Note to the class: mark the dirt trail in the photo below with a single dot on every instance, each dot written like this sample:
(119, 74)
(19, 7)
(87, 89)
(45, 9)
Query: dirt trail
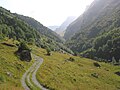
(29, 77)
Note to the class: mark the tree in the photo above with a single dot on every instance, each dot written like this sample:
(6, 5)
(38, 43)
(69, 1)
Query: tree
(23, 46)
(48, 51)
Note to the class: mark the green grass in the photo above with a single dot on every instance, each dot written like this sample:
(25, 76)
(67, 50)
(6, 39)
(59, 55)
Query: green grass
(11, 68)
(36, 87)
(31, 85)
(58, 73)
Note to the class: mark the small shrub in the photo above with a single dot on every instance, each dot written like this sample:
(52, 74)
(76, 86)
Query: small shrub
(71, 59)
(2, 78)
(96, 64)
(22, 47)
(48, 51)
(74, 80)
(76, 54)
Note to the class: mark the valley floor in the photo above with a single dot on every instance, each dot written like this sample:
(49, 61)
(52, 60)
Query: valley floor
(57, 72)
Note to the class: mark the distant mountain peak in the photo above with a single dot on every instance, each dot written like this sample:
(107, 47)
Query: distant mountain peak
(61, 30)
(53, 27)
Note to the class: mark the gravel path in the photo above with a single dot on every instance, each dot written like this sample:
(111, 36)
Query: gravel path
(32, 71)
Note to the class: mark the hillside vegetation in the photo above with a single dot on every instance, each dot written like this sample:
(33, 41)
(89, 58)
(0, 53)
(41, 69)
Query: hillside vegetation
(58, 70)
(62, 71)
(96, 32)
(42, 29)
(11, 67)
(30, 31)
(94, 35)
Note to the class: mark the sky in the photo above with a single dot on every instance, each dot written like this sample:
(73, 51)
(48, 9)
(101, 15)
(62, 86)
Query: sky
(48, 12)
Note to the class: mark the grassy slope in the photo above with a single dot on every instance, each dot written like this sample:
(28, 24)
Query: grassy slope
(9, 63)
(56, 73)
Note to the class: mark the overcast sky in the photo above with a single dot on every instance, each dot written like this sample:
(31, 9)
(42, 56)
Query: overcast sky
(48, 12)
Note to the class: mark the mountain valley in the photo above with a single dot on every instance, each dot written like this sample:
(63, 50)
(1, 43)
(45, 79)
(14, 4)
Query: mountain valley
(81, 54)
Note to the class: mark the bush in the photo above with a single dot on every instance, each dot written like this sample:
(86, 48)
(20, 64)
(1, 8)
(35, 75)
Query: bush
(48, 51)
(23, 46)
(2, 78)
(71, 59)
(76, 54)
(96, 64)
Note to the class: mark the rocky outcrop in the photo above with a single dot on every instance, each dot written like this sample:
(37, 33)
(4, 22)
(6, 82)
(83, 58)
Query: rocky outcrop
(24, 52)
(25, 55)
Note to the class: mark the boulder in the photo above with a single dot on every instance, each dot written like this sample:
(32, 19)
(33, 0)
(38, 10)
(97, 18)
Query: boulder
(25, 55)
(24, 52)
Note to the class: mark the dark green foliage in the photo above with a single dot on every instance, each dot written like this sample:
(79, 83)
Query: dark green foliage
(51, 39)
(96, 64)
(22, 47)
(96, 33)
(48, 51)
(40, 28)
(12, 27)
(27, 29)
(71, 59)
(106, 46)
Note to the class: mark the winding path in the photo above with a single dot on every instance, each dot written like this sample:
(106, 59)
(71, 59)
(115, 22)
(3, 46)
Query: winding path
(29, 76)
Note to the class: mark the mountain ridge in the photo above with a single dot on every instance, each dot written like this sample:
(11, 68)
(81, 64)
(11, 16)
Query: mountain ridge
(29, 31)
(62, 28)
(100, 18)
(41, 28)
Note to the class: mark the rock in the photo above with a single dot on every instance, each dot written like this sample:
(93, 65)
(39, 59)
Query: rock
(9, 74)
(24, 52)
(25, 55)
(95, 75)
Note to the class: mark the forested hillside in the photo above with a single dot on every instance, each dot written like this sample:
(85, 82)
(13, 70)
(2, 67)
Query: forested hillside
(97, 11)
(96, 33)
(12, 27)
(30, 31)
(32, 57)
(42, 29)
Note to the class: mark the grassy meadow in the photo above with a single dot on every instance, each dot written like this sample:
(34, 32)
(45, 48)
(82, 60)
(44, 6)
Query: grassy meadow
(11, 68)
(58, 73)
